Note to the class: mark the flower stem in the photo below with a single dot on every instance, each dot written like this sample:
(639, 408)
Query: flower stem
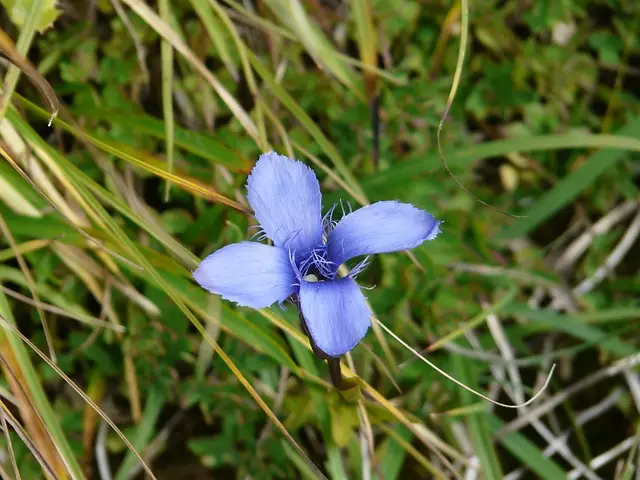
(336, 374)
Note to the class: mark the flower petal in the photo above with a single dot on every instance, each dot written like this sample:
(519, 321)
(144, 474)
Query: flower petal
(285, 196)
(336, 314)
(248, 273)
(379, 228)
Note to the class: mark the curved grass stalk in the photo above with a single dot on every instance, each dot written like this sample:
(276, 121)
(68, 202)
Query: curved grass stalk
(8, 418)
(428, 438)
(466, 387)
(454, 88)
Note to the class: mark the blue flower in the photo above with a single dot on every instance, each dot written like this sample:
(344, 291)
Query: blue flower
(307, 251)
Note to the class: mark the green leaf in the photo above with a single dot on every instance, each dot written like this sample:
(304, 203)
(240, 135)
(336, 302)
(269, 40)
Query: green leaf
(144, 432)
(344, 419)
(393, 454)
(215, 29)
(19, 9)
(388, 183)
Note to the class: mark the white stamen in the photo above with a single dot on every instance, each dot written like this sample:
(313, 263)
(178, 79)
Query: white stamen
(311, 278)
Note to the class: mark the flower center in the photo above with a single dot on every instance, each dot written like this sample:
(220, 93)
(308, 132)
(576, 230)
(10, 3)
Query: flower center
(314, 266)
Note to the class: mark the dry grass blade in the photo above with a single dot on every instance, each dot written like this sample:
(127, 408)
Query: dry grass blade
(8, 48)
(79, 391)
(44, 447)
(5, 429)
(150, 163)
(602, 226)
(170, 36)
(32, 287)
(8, 418)
(69, 221)
(89, 320)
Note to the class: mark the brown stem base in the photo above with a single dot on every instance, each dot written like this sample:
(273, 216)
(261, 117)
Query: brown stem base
(336, 374)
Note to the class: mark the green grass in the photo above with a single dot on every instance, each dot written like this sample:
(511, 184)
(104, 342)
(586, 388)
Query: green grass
(105, 214)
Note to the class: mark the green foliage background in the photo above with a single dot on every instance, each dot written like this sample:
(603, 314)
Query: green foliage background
(164, 108)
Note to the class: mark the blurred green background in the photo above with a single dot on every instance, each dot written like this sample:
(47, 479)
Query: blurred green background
(163, 109)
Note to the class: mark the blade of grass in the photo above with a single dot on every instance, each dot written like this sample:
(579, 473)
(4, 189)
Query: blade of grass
(11, 196)
(144, 432)
(194, 142)
(253, 20)
(577, 181)
(18, 54)
(367, 45)
(392, 453)
(293, 14)
(475, 321)
(38, 178)
(7, 437)
(164, 30)
(37, 397)
(13, 329)
(29, 278)
(405, 446)
(214, 30)
(306, 121)
(8, 418)
(139, 159)
(166, 57)
(78, 229)
(95, 390)
(575, 328)
(22, 248)
(394, 180)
